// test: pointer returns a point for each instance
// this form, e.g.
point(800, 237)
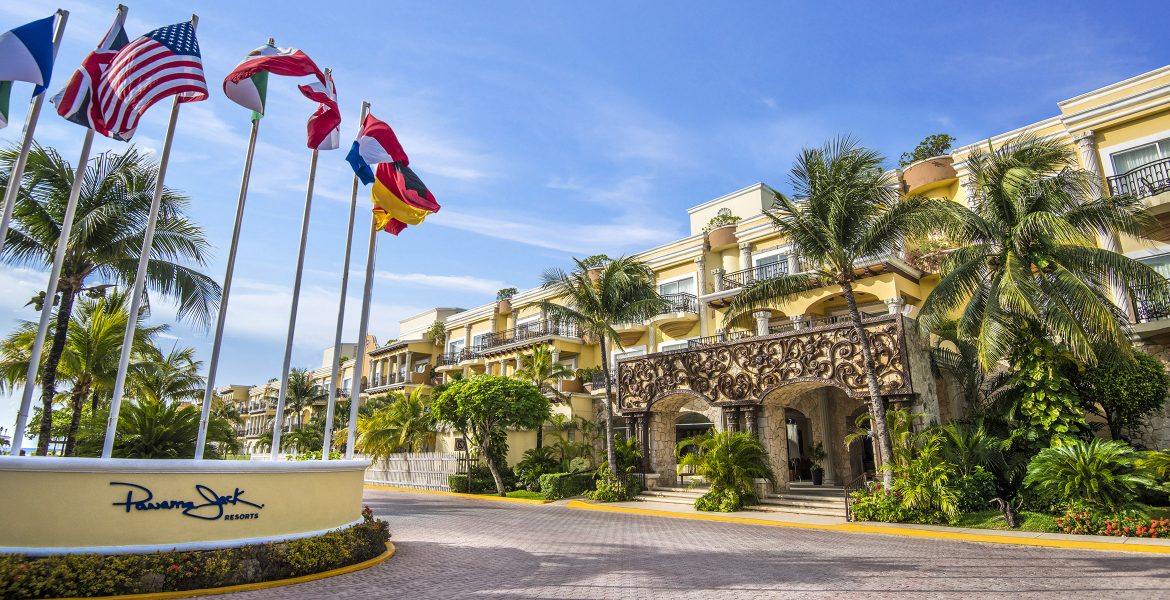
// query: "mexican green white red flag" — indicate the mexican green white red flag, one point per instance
point(247, 84)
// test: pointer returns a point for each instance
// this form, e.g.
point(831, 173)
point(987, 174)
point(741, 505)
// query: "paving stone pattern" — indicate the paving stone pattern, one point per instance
point(458, 548)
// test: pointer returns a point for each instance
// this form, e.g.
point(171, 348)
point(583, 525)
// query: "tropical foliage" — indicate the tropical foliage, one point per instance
point(105, 242)
point(730, 462)
point(405, 424)
point(1123, 392)
point(1101, 473)
point(539, 369)
point(621, 290)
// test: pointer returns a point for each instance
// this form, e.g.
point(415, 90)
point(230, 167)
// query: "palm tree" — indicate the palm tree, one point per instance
point(303, 439)
point(403, 425)
point(89, 360)
point(106, 240)
point(540, 369)
point(729, 461)
point(849, 210)
point(1028, 261)
point(596, 296)
point(152, 429)
point(302, 393)
point(173, 377)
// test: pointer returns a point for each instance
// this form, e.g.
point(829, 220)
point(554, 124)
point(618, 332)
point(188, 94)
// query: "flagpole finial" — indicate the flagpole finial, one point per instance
point(272, 42)
point(122, 8)
point(62, 12)
point(194, 21)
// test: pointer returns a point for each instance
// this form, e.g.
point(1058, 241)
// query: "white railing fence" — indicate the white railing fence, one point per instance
point(420, 470)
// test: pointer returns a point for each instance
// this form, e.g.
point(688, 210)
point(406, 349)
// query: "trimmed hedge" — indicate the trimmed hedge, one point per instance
point(554, 486)
point(86, 575)
point(481, 481)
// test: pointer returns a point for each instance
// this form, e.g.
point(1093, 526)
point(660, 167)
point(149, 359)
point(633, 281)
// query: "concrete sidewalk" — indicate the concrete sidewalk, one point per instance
point(992, 536)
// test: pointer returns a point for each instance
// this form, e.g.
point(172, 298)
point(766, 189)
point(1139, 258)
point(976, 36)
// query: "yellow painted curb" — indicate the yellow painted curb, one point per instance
point(391, 549)
point(456, 494)
point(988, 538)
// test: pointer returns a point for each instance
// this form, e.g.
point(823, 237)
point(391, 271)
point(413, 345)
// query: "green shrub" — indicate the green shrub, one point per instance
point(974, 490)
point(87, 575)
point(876, 503)
point(554, 486)
point(728, 461)
point(721, 500)
point(458, 483)
point(1094, 472)
point(580, 464)
point(536, 462)
point(614, 488)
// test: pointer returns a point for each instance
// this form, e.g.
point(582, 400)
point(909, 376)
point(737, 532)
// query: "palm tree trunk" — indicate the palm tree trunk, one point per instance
point(877, 404)
point(49, 375)
point(76, 401)
point(610, 455)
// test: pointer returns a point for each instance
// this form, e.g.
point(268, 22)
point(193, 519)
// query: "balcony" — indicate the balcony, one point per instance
point(1147, 180)
point(738, 279)
point(719, 338)
point(526, 334)
point(459, 356)
point(680, 315)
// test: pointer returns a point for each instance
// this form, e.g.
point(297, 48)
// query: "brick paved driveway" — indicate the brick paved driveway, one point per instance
point(456, 548)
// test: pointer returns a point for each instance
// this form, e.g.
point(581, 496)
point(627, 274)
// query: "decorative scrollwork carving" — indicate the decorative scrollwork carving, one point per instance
point(744, 370)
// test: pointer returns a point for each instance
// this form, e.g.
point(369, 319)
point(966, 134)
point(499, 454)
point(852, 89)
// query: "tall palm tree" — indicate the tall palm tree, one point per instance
point(302, 393)
point(105, 242)
point(89, 360)
point(1028, 261)
point(540, 369)
point(170, 378)
point(620, 291)
point(403, 425)
point(848, 209)
point(152, 429)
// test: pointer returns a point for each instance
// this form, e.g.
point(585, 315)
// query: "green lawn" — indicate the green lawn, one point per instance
point(993, 519)
point(518, 494)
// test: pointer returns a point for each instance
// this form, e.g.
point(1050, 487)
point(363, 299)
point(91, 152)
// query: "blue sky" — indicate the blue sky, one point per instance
point(548, 130)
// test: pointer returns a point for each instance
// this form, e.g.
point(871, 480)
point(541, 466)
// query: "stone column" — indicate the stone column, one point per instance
point(797, 322)
point(762, 317)
point(969, 189)
point(731, 416)
point(502, 366)
point(717, 275)
point(1087, 145)
point(643, 441)
point(894, 305)
point(406, 368)
point(517, 365)
point(745, 255)
point(793, 262)
point(830, 444)
point(749, 420)
point(701, 264)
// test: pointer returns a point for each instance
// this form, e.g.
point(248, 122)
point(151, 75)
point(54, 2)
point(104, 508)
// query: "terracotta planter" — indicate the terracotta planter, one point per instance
point(594, 274)
point(926, 172)
point(570, 386)
point(504, 307)
point(721, 237)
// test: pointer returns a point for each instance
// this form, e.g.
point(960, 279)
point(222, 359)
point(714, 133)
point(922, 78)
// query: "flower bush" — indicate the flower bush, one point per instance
point(1133, 526)
point(876, 503)
point(88, 575)
point(1081, 519)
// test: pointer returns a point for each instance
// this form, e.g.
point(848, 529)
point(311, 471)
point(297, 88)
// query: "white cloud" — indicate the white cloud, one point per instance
point(454, 282)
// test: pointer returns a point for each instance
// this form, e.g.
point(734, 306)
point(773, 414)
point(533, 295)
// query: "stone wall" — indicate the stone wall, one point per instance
point(926, 399)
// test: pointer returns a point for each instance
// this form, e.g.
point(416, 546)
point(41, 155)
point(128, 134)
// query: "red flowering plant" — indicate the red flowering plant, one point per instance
point(1133, 526)
point(1081, 519)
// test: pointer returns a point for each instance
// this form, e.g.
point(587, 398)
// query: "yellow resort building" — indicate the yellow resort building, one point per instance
point(792, 375)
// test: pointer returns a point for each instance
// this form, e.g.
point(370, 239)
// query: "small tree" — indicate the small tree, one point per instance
point(933, 145)
point(505, 294)
point(486, 406)
point(1123, 392)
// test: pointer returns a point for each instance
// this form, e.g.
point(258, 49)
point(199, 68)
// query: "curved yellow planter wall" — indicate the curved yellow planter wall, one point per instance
point(56, 505)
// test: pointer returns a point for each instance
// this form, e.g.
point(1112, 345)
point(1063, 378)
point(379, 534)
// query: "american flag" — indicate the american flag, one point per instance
point(160, 64)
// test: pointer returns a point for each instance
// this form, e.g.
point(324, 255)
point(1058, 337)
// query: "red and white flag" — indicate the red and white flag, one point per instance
point(325, 122)
point(163, 63)
point(76, 101)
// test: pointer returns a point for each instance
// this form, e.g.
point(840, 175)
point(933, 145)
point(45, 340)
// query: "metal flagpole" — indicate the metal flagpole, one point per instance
point(341, 308)
point(30, 126)
point(277, 423)
point(34, 359)
point(361, 349)
point(140, 279)
point(209, 392)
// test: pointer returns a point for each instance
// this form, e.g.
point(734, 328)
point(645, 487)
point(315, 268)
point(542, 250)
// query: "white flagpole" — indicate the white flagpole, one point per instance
point(278, 422)
point(361, 346)
point(34, 359)
point(140, 280)
point(341, 308)
point(30, 126)
point(209, 391)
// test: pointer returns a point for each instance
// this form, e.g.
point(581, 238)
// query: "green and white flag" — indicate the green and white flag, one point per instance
point(247, 84)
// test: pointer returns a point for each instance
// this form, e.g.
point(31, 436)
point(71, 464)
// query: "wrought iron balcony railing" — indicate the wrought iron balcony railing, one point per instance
point(598, 380)
point(719, 338)
point(458, 356)
point(1147, 180)
point(529, 331)
point(737, 279)
point(1148, 307)
point(681, 302)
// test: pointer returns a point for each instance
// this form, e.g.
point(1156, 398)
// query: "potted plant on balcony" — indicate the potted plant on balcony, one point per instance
point(816, 459)
point(437, 332)
point(585, 376)
point(928, 163)
point(720, 230)
point(504, 300)
point(594, 264)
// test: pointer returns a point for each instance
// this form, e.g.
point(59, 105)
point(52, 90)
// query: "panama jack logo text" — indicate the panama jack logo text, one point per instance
point(209, 507)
